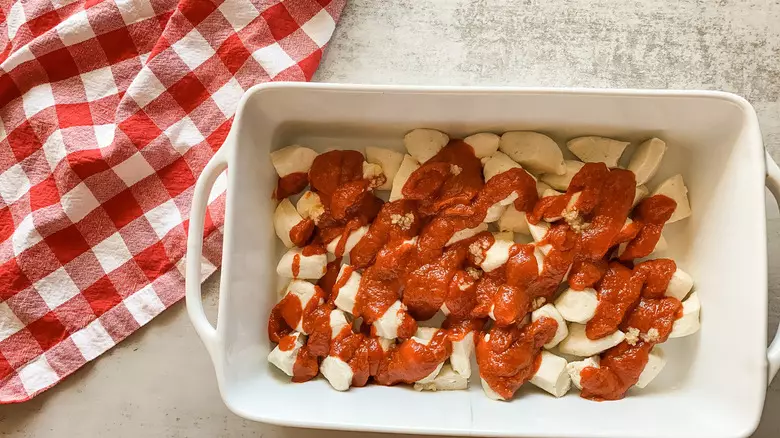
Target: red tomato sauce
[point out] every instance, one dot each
(291, 184)
(629, 300)
(619, 370)
(586, 273)
(510, 356)
(328, 281)
(291, 310)
(287, 343)
(457, 328)
(658, 314)
(306, 366)
(362, 353)
(296, 265)
(301, 233)
(650, 216)
(384, 232)
(278, 329)
(453, 177)
(461, 297)
(337, 177)
(426, 287)
(404, 257)
(619, 293)
(333, 169)
(410, 360)
(595, 208)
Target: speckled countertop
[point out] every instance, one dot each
(159, 382)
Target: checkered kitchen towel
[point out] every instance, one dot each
(109, 110)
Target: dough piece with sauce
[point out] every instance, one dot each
(688, 323)
(680, 284)
(647, 159)
(285, 359)
(661, 245)
(493, 395)
(292, 159)
(516, 221)
(569, 206)
(674, 188)
(575, 367)
(310, 206)
(561, 181)
(423, 336)
(534, 151)
(460, 358)
(389, 160)
(374, 174)
(498, 163)
(552, 375)
(466, 233)
(408, 166)
(656, 361)
(295, 264)
(494, 212)
(306, 297)
(495, 256)
(577, 306)
(549, 311)
(423, 144)
(337, 320)
(346, 288)
(387, 325)
(538, 232)
(484, 144)
(352, 240)
(446, 380)
(337, 372)
(578, 343)
(594, 149)
(285, 218)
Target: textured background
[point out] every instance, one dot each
(160, 382)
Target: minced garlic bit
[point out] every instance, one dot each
(652, 335)
(575, 221)
(404, 222)
(632, 335)
(538, 302)
(374, 174)
(455, 169)
(316, 213)
(474, 273)
(476, 250)
(465, 284)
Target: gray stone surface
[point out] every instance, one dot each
(159, 382)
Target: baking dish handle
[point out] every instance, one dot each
(773, 184)
(200, 197)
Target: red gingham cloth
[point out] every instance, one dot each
(109, 110)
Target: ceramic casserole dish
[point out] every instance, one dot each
(715, 381)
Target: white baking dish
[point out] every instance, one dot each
(714, 382)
